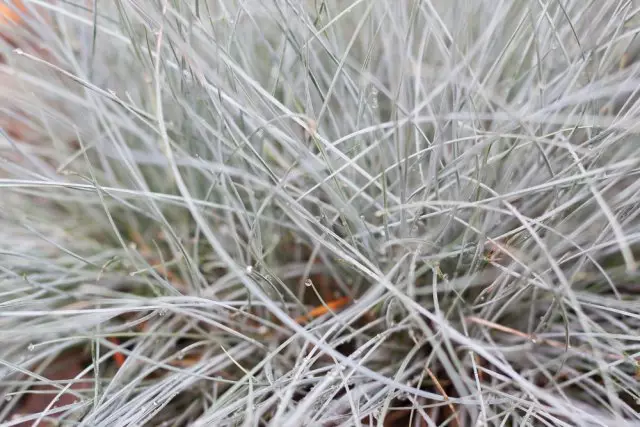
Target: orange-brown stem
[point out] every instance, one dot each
(323, 309)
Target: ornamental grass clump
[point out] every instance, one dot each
(319, 213)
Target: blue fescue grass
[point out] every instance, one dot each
(183, 181)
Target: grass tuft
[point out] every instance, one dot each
(319, 213)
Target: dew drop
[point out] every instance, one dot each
(162, 312)
(249, 269)
(308, 283)
(8, 398)
(155, 403)
(374, 101)
(31, 347)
